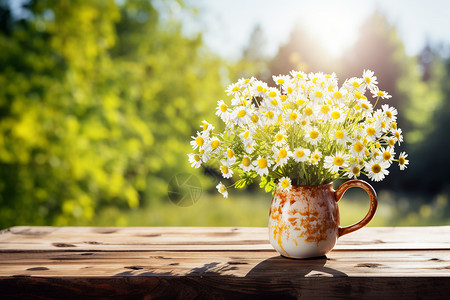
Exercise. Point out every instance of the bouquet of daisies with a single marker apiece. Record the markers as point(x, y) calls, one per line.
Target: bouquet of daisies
point(305, 131)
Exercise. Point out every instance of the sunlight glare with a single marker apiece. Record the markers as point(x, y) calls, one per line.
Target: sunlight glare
point(335, 25)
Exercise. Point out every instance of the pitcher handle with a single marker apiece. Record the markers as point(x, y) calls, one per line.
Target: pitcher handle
point(373, 204)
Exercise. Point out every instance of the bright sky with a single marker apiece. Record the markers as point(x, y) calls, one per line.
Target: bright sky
point(228, 24)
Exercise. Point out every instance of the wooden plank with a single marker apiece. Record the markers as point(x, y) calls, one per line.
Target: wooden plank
point(206, 239)
point(236, 264)
point(220, 262)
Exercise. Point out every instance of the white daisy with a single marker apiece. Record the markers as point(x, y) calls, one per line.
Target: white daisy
point(313, 135)
point(301, 154)
point(285, 184)
point(358, 149)
point(207, 128)
point(195, 160)
point(282, 156)
point(376, 169)
point(246, 164)
point(376, 92)
point(389, 113)
point(198, 141)
point(261, 165)
point(280, 138)
point(336, 161)
point(387, 154)
point(292, 116)
point(370, 80)
point(315, 157)
point(231, 158)
point(281, 79)
point(225, 169)
point(398, 135)
point(402, 161)
point(341, 136)
point(373, 131)
point(222, 110)
point(354, 170)
point(308, 113)
point(222, 189)
point(240, 116)
point(233, 89)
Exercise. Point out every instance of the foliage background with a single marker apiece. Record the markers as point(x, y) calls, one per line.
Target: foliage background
point(98, 100)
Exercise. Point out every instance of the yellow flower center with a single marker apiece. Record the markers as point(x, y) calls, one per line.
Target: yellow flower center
point(274, 102)
point(272, 94)
point(262, 163)
point(383, 124)
point(394, 125)
point(308, 111)
point(223, 189)
point(279, 137)
point(246, 134)
point(269, 115)
point(376, 168)
point(386, 156)
point(304, 122)
point(196, 157)
point(316, 157)
point(380, 93)
point(205, 126)
point(293, 116)
point(247, 80)
point(283, 98)
point(355, 84)
point(325, 109)
point(397, 134)
point(338, 161)
point(355, 170)
point(246, 161)
point(289, 90)
point(337, 95)
point(282, 153)
point(318, 94)
point(199, 140)
point(280, 80)
point(224, 169)
point(358, 94)
point(368, 80)
point(335, 115)
point(313, 134)
point(401, 160)
point(215, 144)
point(301, 102)
point(259, 88)
point(285, 184)
point(241, 113)
point(388, 114)
point(358, 146)
point(230, 153)
point(391, 142)
point(339, 134)
point(223, 107)
point(370, 131)
point(357, 107)
point(365, 106)
point(300, 153)
point(255, 118)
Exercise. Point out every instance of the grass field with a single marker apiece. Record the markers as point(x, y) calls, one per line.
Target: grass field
point(251, 209)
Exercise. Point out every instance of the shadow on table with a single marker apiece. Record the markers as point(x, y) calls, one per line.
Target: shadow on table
point(280, 267)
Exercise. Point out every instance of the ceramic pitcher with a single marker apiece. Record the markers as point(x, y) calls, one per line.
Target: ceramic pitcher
point(304, 221)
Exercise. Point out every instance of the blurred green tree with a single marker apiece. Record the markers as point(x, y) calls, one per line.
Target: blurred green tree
point(97, 103)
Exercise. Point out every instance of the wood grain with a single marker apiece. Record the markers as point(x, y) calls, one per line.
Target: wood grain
point(219, 262)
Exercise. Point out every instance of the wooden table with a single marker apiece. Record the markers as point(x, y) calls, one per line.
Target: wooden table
point(219, 262)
